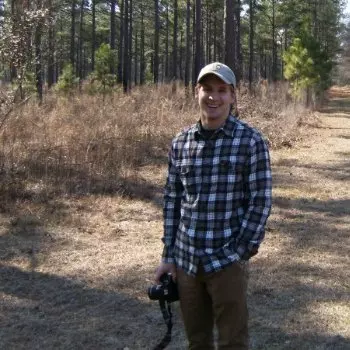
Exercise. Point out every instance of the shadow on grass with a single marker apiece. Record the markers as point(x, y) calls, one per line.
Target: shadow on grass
point(53, 312)
point(41, 310)
point(298, 289)
point(286, 172)
point(288, 300)
point(337, 105)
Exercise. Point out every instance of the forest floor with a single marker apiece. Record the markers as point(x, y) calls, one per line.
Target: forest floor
point(74, 271)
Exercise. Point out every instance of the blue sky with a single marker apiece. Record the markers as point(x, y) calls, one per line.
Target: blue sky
point(348, 7)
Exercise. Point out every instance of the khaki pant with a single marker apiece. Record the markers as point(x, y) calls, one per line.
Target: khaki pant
point(220, 298)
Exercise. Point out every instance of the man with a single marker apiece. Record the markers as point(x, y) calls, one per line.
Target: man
point(217, 200)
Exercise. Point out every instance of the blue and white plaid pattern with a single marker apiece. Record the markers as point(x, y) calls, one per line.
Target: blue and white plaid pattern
point(217, 196)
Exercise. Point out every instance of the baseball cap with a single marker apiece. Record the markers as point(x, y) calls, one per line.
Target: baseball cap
point(220, 70)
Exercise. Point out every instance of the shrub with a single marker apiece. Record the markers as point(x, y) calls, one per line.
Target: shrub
point(67, 81)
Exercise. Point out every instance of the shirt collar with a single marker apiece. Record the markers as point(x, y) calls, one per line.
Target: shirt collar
point(228, 128)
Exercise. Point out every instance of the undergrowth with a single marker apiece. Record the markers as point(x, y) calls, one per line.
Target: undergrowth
point(92, 144)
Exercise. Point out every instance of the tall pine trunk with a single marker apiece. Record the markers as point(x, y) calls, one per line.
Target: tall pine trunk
point(156, 43)
point(72, 36)
point(38, 65)
point(198, 33)
point(80, 62)
point(142, 48)
point(113, 32)
point(230, 35)
point(126, 47)
point(130, 56)
point(93, 34)
point(174, 77)
point(188, 42)
point(121, 43)
point(51, 49)
point(251, 43)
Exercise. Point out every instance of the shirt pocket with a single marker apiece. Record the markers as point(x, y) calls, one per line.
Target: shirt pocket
point(230, 172)
point(188, 179)
point(230, 178)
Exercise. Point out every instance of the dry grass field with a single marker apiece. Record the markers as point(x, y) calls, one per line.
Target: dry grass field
point(81, 222)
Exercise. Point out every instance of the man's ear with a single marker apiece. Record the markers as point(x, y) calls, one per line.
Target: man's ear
point(196, 90)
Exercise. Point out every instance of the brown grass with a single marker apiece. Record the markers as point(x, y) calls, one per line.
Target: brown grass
point(88, 144)
point(81, 221)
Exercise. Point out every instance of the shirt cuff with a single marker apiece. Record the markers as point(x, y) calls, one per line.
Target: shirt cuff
point(246, 251)
point(168, 260)
point(167, 256)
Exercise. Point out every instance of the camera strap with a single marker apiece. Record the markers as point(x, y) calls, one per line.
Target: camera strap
point(165, 307)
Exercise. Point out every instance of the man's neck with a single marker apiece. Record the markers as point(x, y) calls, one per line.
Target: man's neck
point(212, 124)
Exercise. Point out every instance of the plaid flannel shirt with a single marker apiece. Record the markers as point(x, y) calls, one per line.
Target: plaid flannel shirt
point(217, 196)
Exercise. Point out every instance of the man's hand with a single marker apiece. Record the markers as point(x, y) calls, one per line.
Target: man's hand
point(165, 268)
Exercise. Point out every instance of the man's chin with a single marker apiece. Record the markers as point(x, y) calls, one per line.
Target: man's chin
point(212, 116)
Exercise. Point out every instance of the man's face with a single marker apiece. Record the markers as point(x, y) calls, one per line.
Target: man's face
point(215, 98)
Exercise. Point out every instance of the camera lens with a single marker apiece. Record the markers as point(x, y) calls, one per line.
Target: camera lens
point(155, 292)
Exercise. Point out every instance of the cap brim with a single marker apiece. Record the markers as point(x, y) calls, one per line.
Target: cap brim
point(217, 75)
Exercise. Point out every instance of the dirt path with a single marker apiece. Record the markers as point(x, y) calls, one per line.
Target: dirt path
point(74, 271)
point(302, 286)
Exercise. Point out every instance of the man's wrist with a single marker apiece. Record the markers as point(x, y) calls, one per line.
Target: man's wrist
point(168, 260)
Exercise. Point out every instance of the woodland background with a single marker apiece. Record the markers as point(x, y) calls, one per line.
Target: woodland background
point(91, 93)
point(136, 42)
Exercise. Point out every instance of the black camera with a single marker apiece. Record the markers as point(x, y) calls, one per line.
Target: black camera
point(166, 291)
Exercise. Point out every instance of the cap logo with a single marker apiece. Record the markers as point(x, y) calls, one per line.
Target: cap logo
point(218, 66)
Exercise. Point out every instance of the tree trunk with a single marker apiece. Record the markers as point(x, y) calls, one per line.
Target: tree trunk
point(38, 67)
point(121, 43)
point(198, 53)
point(187, 54)
point(167, 44)
point(126, 47)
point(207, 32)
point(156, 42)
point(215, 41)
point(51, 49)
point(274, 46)
point(136, 62)
point(72, 36)
point(181, 54)
point(251, 42)
point(113, 31)
point(230, 34)
point(130, 33)
point(93, 34)
point(80, 63)
point(13, 74)
point(142, 48)
point(239, 57)
point(174, 77)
